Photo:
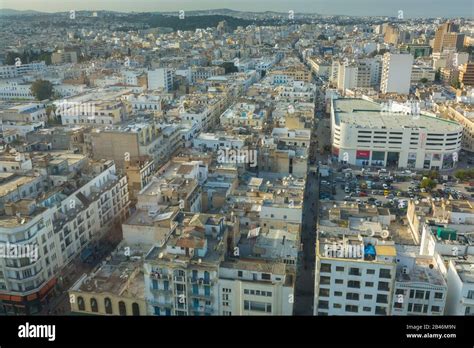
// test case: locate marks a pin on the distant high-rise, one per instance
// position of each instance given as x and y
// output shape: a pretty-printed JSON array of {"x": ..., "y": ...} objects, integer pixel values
[
  {"x": 396, "y": 73},
  {"x": 391, "y": 35},
  {"x": 466, "y": 74},
  {"x": 448, "y": 36}
]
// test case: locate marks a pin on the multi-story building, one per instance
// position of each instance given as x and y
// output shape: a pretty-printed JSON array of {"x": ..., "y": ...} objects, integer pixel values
[
  {"x": 420, "y": 287},
  {"x": 448, "y": 36},
  {"x": 57, "y": 226},
  {"x": 181, "y": 272},
  {"x": 17, "y": 70},
  {"x": 355, "y": 275},
  {"x": 466, "y": 74},
  {"x": 244, "y": 115},
  {"x": 115, "y": 288},
  {"x": 61, "y": 57},
  {"x": 464, "y": 115},
  {"x": 363, "y": 133},
  {"x": 396, "y": 73},
  {"x": 460, "y": 279},
  {"x": 160, "y": 79}
]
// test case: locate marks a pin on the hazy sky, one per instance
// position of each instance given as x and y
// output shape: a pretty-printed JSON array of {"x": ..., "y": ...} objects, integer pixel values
[{"x": 411, "y": 8}]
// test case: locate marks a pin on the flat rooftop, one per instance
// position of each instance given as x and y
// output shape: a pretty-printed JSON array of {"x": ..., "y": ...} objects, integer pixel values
[{"x": 367, "y": 114}]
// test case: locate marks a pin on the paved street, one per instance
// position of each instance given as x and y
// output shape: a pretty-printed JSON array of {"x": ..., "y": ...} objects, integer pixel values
[{"x": 304, "y": 289}]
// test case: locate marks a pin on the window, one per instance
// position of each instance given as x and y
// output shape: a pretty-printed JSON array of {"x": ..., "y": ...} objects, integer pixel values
[
  {"x": 323, "y": 305},
  {"x": 337, "y": 293},
  {"x": 353, "y": 284},
  {"x": 239, "y": 274},
  {"x": 383, "y": 286},
  {"x": 122, "y": 308},
  {"x": 385, "y": 273},
  {"x": 324, "y": 292},
  {"x": 325, "y": 267},
  {"x": 380, "y": 310},
  {"x": 367, "y": 297},
  {"x": 258, "y": 306},
  {"x": 438, "y": 295},
  {"x": 352, "y": 296},
  {"x": 371, "y": 271},
  {"x": 80, "y": 304},
  {"x": 94, "y": 307},
  {"x": 108, "y": 305},
  {"x": 325, "y": 280},
  {"x": 369, "y": 284},
  {"x": 419, "y": 294},
  {"x": 337, "y": 305},
  {"x": 352, "y": 308},
  {"x": 417, "y": 308},
  {"x": 339, "y": 281},
  {"x": 266, "y": 276},
  {"x": 339, "y": 269},
  {"x": 366, "y": 309},
  {"x": 354, "y": 271},
  {"x": 135, "y": 309},
  {"x": 382, "y": 298}
]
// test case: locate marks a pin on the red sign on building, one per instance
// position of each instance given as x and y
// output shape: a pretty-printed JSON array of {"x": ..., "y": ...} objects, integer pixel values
[{"x": 363, "y": 154}]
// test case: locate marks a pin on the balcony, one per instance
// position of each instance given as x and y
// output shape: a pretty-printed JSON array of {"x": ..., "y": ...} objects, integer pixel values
[
  {"x": 167, "y": 304},
  {"x": 159, "y": 276},
  {"x": 468, "y": 301},
  {"x": 179, "y": 279},
  {"x": 209, "y": 297},
  {"x": 161, "y": 291},
  {"x": 203, "y": 310}
]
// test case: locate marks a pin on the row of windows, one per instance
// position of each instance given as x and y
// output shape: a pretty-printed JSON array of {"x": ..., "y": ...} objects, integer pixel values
[
  {"x": 383, "y": 273},
  {"x": 108, "y": 306},
  {"x": 258, "y": 306},
  {"x": 353, "y": 308},
  {"x": 257, "y": 292}
]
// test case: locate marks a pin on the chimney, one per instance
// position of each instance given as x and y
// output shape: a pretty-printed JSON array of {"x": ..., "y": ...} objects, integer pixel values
[{"x": 283, "y": 241}]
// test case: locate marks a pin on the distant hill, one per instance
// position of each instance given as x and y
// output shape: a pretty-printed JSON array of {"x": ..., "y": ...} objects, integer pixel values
[
  {"x": 10, "y": 12},
  {"x": 194, "y": 21}
]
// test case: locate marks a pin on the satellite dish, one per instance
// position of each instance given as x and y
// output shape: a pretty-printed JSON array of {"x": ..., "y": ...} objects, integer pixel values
[{"x": 385, "y": 234}]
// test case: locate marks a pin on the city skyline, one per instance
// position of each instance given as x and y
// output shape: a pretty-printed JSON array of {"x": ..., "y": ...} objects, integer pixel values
[{"x": 436, "y": 8}]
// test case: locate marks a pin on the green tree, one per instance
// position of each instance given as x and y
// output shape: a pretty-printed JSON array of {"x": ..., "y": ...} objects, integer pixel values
[
  {"x": 424, "y": 80},
  {"x": 427, "y": 183},
  {"x": 464, "y": 174},
  {"x": 42, "y": 89}
]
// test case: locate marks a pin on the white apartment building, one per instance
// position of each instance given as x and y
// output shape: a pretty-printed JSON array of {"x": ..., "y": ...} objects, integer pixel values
[
  {"x": 420, "y": 287},
  {"x": 216, "y": 141},
  {"x": 460, "y": 280},
  {"x": 146, "y": 102},
  {"x": 60, "y": 229},
  {"x": 396, "y": 73},
  {"x": 255, "y": 287},
  {"x": 347, "y": 77},
  {"x": 160, "y": 79},
  {"x": 12, "y": 71},
  {"x": 11, "y": 90},
  {"x": 15, "y": 163},
  {"x": 31, "y": 112},
  {"x": 181, "y": 275},
  {"x": 355, "y": 275},
  {"x": 363, "y": 133},
  {"x": 420, "y": 72}
]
